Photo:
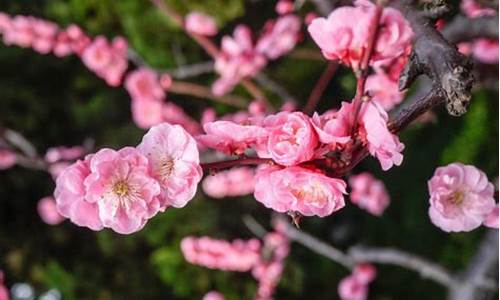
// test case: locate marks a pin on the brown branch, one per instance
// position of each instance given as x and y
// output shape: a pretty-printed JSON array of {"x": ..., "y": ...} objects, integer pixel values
[
  {"x": 435, "y": 57},
  {"x": 226, "y": 164},
  {"x": 320, "y": 87},
  {"x": 200, "y": 91}
]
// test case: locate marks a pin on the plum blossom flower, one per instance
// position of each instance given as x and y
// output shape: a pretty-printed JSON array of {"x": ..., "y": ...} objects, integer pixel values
[
  {"x": 121, "y": 185},
  {"x": 472, "y": 9},
  {"x": 231, "y": 138},
  {"x": 291, "y": 140},
  {"x": 284, "y": 7},
  {"x": 461, "y": 198},
  {"x": 383, "y": 90},
  {"x": 107, "y": 60},
  {"x": 70, "y": 196},
  {"x": 47, "y": 209},
  {"x": 238, "y": 59},
  {"x": 352, "y": 289},
  {"x": 333, "y": 127},
  {"x": 213, "y": 295},
  {"x": 56, "y": 154},
  {"x": 344, "y": 34},
  {"x": 8, "y": 159},
  {"x": 485, "y": 50},
  {"x": 146, "y": 114},
  {"x": 231, "y": 183},
  {"x": 238, "y": 255},
  {"x": 4, "y": 292},
  {"x": 200, "y": 23},
  {"x": 355, "y": 286},
  {"x": 299, "y": 190},
  {"x": 143, "y": 85},
  {"x": 492, "y": 218},
  {"x": 174, "y": 162},
  {"x": 382, "y": 144},
  {"x": 279, "y": 36},
  {"x": 369, "y": 193}
]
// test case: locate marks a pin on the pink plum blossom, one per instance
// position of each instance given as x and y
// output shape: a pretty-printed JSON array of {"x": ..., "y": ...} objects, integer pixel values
[
  {"x": 143, "y": 85},
  {"x": 238, "y": 255},
  {"x": 300, "y": 190},
  {"x": 174, "y": 114},
  {"x": 70, "y": 196},
  {"x": 4, "y": 292},
  {"x": 57, "y": 168},
  {"x": 383, "y": 90},
  {"x": 173, "y": 162},
  {"x": 472, "y": 9},
  {"x": 213, "y": 295},
  {"x": 291, "y": 140},
  {"x": 333, "y": 128},
  {"x": 47, "y": 209},
  {"x": 120, "y": 184},
  {"x": 8, "y": 159},
  {"x": 200, "y": 23},
  {"x": 231, "y": 138},
  {"x": 238, "y": 59},
  {"x": 485, "y": 50},
  {"x": 284, "y": 7},
  {"x": 382, "y": 144},
  {"x": 352, "y": 289},
  {"x": 56, "y": 154},
  {"x": 369, "y": 193},
  {"x": 146, "y": 114},
  {"x": 492, "y": 218},
  {"x": 461, "y": 198},
  {"x": 344, "y": 34},
  {"x": 365, "y": 273},
  {"x": 279, "y": 36},
  {"x": 107, "y": 60},
  {"x": 231, "y": 183}
]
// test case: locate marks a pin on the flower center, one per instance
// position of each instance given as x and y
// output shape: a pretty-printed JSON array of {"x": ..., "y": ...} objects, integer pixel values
[
  {"x": 121, "y": 188},
  {"x": 312, "y": 193},
  {"x": 457, "y": 197},
  {"x": 165, "y": 167}
]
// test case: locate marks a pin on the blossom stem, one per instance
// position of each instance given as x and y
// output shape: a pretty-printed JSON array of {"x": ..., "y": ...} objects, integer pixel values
[
  {"x": 362, "y": 73},
  {"x": 245, "y": 161},
  {"x": 192, "y": 89},
  {"x": 320, "y": 87},
  {"x": 209, "y": 46}
]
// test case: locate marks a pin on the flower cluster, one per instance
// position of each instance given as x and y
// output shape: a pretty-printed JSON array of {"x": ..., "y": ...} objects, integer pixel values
[
  {"x": 265, "y": 261},
  {"x": 238, "y": 255},
  {"x": 122, "y": 189},
  {"x": 461, "y": 198},
  {"x": 369, "y": 193},
  {"x": 344, "y": 35},
  {"x": 231, "y": 183},
  {"x": 240, "y": 57},
  {"x": 291, "y": 140},
  {"x": 355, "y": 286},
  {"x": 483, "y": 49}
]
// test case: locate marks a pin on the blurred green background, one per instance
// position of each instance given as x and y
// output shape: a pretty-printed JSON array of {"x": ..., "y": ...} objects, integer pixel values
[{"x": 55, "y": 101}]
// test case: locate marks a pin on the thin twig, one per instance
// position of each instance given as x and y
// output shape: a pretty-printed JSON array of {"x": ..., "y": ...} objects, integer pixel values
[
  {"x": 200, "y": 91},
  {"x": 320, "y": 87},
  {"x": 275, "y": 87}
]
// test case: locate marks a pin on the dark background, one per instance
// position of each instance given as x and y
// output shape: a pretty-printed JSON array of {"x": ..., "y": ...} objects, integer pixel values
[{"x": 55, "y": 101}]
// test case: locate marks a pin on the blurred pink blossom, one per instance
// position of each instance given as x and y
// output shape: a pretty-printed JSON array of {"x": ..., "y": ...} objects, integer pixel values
[
  {"x": 47, "y": 210},
  {"x": 212, "y": 295},
  {"x": 200, "y": 23},
  {"x": 300, "y": 190},
  {"x": 8, "y": 159},
  {"x": 384, "y": 90},
  {"x": 143, "y": 85},
  {"x": 56, "y": 154},
  {"x": 352, "y": 289},
  {"x": 146, "y": 114},
  {"x": 284, "y": 7},
  {"x": 173, "y": 162},
  {"x": 472, "y": 9},
  {"x": 279, "y": 36},
  {"x": 4, "y": 292},
  {"x": 461, "y": 198},
  {"x": 231, "y": 183},
  {"x": 485, "y": 50},
  {"x": 369, "y": 193},
  {"x": 238, "y": 255}
]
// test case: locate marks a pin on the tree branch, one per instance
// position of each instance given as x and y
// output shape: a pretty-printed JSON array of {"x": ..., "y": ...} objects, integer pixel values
[{"x": 320, "y": 87}]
